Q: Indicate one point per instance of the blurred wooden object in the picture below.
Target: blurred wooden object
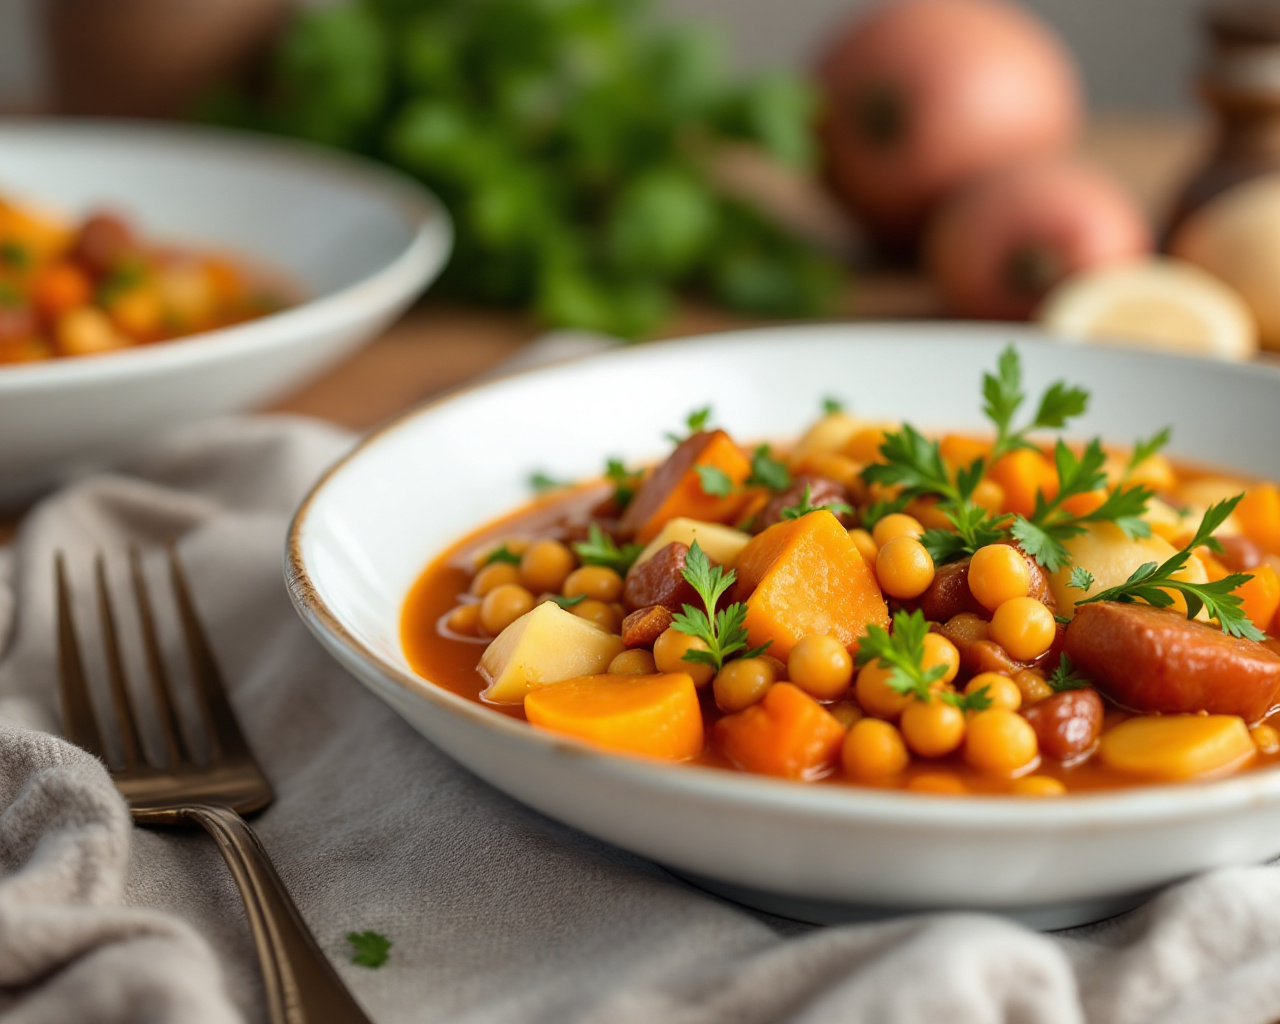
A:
(150, 58)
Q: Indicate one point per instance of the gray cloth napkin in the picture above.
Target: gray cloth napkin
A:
(496, 913)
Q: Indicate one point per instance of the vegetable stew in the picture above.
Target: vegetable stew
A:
(1002, 614)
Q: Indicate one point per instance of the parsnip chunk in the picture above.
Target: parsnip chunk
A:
(546, 645)
(721, 544)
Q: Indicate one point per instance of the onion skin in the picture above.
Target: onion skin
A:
(923, 95)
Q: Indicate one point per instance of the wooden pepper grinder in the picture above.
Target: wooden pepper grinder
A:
(151, 58)
(1240, 83)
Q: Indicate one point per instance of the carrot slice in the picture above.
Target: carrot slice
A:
(1023, 474)
(1261, 596)
(676, 488)
(1259, 516)
(654, 716)
(787, 733)
(805, 576)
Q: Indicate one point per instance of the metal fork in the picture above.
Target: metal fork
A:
(301, 985)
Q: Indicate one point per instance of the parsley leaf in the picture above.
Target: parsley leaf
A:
(1151, 582)
(370, 948)
(1143, 450)
(502, 553)
(567, 602)
(724, 631)
(914, 463)
(1004, 396)
(902, 653)
(766, 471)
(541, 482)
(974, 528)
(1081, 578)
(120, 280)
(625, 482)
(831, 406)
(804, 508)
(714, 481)
(694, 422)
(1066, 677)
(877, 510)
(601, 549)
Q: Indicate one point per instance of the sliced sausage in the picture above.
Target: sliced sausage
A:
(1154, 659)
(104, 243)
(1240, 554)
(822, 491)
(643, 626)
(658, 486)
(1068, 723)
(949, 595)
(660, 580)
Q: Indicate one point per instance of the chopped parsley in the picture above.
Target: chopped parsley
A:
(902, 653)
(601, 549)
(15, 255)
(120, 280)
(832, 405)
(625, 482)
(696, 421)
(369, 949)
(766, 471)
(724, 631)
(804, 508)
(541, 482)
(502, 553)
(1151, 582)
(1080, 578)
(714, 481)
(1066, 677)
(566, 602)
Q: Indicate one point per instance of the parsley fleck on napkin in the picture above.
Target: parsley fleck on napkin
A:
(494, 913)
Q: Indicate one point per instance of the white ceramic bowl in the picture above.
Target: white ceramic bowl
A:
(360, 240)
(412, 489)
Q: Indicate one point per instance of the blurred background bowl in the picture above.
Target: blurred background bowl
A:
(358, 240)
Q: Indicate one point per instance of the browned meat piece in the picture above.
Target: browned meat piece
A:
(822, 491)
(643, 626)
(989, 656)
(657, 487)
(1154, 659)
(660, 580)
(104, 243)
(1240, 554)
(949, 593)
(1067, 724)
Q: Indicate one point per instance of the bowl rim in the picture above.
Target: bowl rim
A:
(423, 256)
(1136, 806)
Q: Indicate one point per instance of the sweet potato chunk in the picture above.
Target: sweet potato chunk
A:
(1152, 659)
(654, 716)
(660, 580)
(1177, 747)
(805, 576)
(675, 488)
(787, 733)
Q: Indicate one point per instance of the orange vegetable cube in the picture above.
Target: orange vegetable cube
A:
(59, 288)
(1083, 504)
(1261, 596)
(653, 716)
(1023, 474)
(961, 451)
(1259, 516)
(676, 488)
(864, 446)
(786, 733)
(805, 577)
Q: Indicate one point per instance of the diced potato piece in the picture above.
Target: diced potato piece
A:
(654, 716)
(721, 544)
(1177, 747)
(1155, 472)
(787, 733)
(829, 434)
(1208, 490)
(1112, 557)
(546, 645)
(1166, 521)
(803, 577)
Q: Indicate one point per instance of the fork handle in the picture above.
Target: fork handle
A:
(302, 986)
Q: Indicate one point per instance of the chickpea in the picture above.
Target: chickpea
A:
(895, 524)
(464, 619)
(938, 650)
(904, 568)
(1033, 686)
(940, 783)
(998, 573)
(741, 683)
(1038, 785)
(1024, 627)
(502, 606)
(603, 615)
(866, 545)
(496, 574)
(1265, 738)
(1002, 691)
(1001, 742)
(545, 566)
(636, 662)
(933, 729)
(669, 651)
(821, 666)
(876, 696)
(596, 582)
(873, 751)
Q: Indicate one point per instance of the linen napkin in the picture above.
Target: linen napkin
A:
(496, 914)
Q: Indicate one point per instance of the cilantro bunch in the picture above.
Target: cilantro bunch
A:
(570, 140)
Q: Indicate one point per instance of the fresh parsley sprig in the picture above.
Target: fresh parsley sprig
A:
(625, 481)
(1003, 397)
(369, 949)
(768, 472)
(694, 422)
(714, 481)
(1067, 677)
(1042, 535)
(973, 528)
(1143, 450)
(902, 653)
(601, 549)
(1151, 582)
(724, 631)
(832, 405)
(805, 507)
